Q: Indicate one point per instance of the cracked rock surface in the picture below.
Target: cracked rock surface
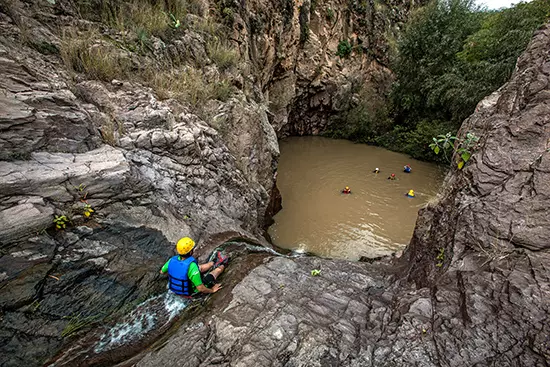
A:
(486, 304)
(166, 172)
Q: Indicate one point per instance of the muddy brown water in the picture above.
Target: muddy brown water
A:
(375, 219)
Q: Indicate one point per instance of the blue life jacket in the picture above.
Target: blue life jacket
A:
(178, 279)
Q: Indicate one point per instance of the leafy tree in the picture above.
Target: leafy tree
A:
(427, 51)
(453, 54)
(450, 56)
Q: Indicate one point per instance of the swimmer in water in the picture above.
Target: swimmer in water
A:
(376, 170)
(392, 177)
(346, 190)
(410, 194)
(407, 168)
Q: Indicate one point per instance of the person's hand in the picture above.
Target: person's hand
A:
(216, 288)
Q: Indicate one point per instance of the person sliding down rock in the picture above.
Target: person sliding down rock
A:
(185, 275)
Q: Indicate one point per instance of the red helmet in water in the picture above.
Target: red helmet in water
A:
(393, 175)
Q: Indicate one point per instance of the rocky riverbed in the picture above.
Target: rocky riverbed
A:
(472, 288)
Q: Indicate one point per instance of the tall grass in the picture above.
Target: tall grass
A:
(187, 85)
(222, 54)
(155, 17)
(103, 58)
(82, 53)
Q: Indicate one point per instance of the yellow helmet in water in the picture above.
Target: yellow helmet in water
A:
(185, 245)
(411, 193)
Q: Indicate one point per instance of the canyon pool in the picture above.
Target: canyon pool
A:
(376, 219)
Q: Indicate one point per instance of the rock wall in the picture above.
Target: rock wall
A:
(294, 54)
(472, 288)
(152, 169)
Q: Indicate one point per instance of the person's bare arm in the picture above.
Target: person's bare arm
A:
(201, 288)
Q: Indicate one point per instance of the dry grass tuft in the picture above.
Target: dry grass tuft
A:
(187, 85)
(86, 53)
(223, 55)
(155, 17)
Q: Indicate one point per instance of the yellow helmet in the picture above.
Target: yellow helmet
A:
(185, 245)
(411, 192)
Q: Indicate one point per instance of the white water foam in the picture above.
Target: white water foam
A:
(149, 315)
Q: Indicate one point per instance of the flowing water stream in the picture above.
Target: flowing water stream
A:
(377, 218)
(146, 323)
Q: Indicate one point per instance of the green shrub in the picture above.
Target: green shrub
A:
(452, 54)
(415, 142)
(330, 15)
(344, 49)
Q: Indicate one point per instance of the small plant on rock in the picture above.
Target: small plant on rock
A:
(174, 22)
(60, 222)
(78, 322)
(87, 210)
(462, 147)
(330, 15)
(440, 257)
(81, 191)
(344, 49)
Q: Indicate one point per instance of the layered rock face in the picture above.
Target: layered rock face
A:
(152, 169)
(304, 78)
(472, 288)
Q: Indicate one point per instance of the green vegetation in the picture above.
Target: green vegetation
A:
(344, 49)
(440, 258)
(133, 52)
(83, 53)
(87, 210)
(155, 17)
(450, 56)
(330, 15)
(60, 222)
(461, 147)
(78, 322)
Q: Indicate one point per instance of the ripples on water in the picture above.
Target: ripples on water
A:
(376, 219)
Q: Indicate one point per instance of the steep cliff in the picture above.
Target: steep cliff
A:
(127, 125)
(157, 162)
(471, 289)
